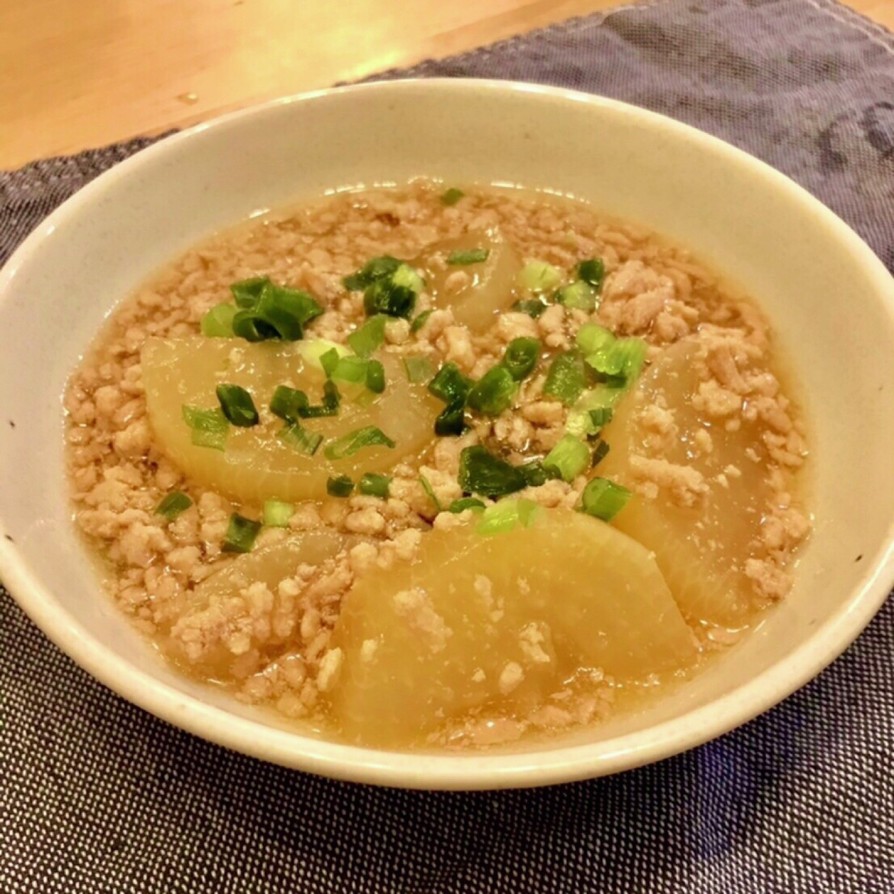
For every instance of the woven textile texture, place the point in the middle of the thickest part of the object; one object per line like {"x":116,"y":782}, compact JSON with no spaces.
{"x":97,"y":796}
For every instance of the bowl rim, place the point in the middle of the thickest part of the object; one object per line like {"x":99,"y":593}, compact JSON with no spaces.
{"x":546,"y":765}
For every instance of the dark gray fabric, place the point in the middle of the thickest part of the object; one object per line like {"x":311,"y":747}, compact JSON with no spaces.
{"x":97,"y":796}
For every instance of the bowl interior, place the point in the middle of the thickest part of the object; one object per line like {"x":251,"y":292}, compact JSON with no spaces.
{"x":829,"y":298}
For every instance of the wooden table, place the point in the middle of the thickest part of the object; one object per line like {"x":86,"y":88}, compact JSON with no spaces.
{"x":83,"y":73}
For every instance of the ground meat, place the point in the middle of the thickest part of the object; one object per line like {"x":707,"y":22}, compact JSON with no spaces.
{"x":271,"y":640}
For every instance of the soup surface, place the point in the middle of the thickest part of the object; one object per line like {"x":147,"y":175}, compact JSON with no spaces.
{"x":427,"y":468}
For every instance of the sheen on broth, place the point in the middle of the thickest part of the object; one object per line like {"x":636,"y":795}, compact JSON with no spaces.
{"x":425,"y":468}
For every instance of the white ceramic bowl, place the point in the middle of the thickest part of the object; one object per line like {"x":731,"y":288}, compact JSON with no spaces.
{"x":831,"y":301}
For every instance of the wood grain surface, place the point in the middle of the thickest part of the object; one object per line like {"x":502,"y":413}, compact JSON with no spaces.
{"x":82,"y":73}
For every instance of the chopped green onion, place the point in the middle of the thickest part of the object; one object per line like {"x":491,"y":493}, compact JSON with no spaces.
{"x":241,"y":534}
{"x":601,"y":416}
{"x":272,"y":311}
{"x":369,"y":336}
{"x":624,"y":359}
{"x":578,"y":296}
{"x":350,"y":369}
{"x":592,"y":271}
{"x":538,"y":276}
{"x":377,"y":268}
{"x":418,"y":368}
{"x":533,"y":307}
{"x":450,"y":385}
{"x":430,"y":491}
{"x":451,"y":196}
{"x":521,"y":357}
{"x":237,"y":405}
{"x":419,"y":320}
{"x":247,"y":292}
{"x":451,"y":421}
{"x":566,"y":378}
{"x":276,"y":514}
{"x":385,"y":297}
{"x":600,"y":397}
{"x":288,"y":403}
{"x":568,"y":458}
{"x":173,"y":504}
{"x":406,"y":277}
{"x":483,"y":473}
{"x":493,"y":392}
{"x":329,"y":361}
{"x":471,"y":256}
{"x":329,"y":407}
{"x":375,"y":376}
{"x":536,"y":473}
{"x":507,"y":514}
{"x":599,"y":453}
{"x":374,"y":485}
{"x":592,"y":337}
{"x":340,"y":486}
{"x":465,"y":503}
{"x":218,"y":322}
{"x":603,"y":498}
{"x":349,"y":444}
{"x":300,"y":439}
{"x":209,"y":427}
{"x":313,"y":349}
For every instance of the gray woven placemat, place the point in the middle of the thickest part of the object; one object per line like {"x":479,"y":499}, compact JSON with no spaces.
{"x":97,"y":796}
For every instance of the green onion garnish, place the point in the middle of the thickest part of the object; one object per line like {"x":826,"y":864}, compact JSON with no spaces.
{"x":591,"y":337}
{"x":369,"y":336}
{"x":451,"y":196}
{"x":272,"y":311}
{"x":452,"y":387}
{"x":300,"y":439}
{"x":340,"y":486}
{"x":173,"y":504}
{"x":419,"y":320}
{"x":568,"y":458}
{"x":375,"y":376}
{"x":276,"y":514}
{"x":237,"y":405}
{"x":349,"y":444}
{"x":533,"y":307}
{"x":521,"y":357}
{"x":451,"y":421}
{"x":374,"y":485}
{"x":600,"y":399}
{"x":624,"y":359}
{"x":493,"y":392}
{"x":566,"y":378}
{"x":241,"y":534}
{"x":247,"y":292}
{"x":209,"y":427}
{"x":536,"y":474}
{"x":592,"y":271}
{"x":506,"y":515}
{"x":406,"y":277}
{"x":218,"y":322}
{"x":483,"y":473}
{"x":465,"y":503}
{"x":538,"y":276}
{"x":600,"y":451}
{"x":578,"y":296}
{"x":601,"y":416}
{"x":430,"y":492}
{"x":288,"y":403}
{"x":377,"y":268}
{"x":350,"y":369}
{"x":603,"y":498}
{"x":418,"y":368}
{"x":329,"y":361}
{"x":471,"y":256}
{"x":384,"y":297}
{"x":329,"y":407}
